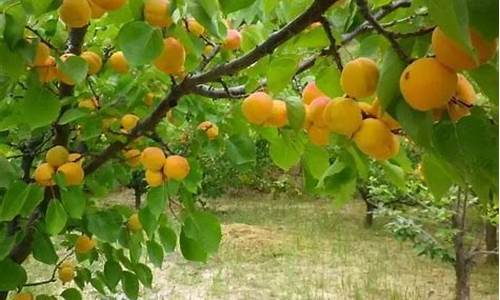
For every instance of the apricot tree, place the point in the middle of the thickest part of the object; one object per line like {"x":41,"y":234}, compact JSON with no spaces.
{"x":91,"y":88}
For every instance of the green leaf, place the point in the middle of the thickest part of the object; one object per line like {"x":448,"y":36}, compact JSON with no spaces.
{"x":314,"y":38}
{"x":9,"y":64}
{"x":35,"y":196}
{"x":74,"y":201}
{"x":148,"y":220}
{"x":167,"y":238}
{"x":8,"y":242}
{"x":135,"y":247}
{"x":56,"y":217}
{"x":155,"y":253}
{"x":75,"y":68}
{"x":210,"y":21}
{"x":240,"y":149}
{"x":280,"y":71}
{"x":130,"y":285}
{"x":296,"y":112}
{"x":388,"y":84}
{"x":105,"y":225}
{"x":204,"y":228}
{"x":71,"y":294}
{"x":7,"y":172}
{"x":191,"y":249}
{"x":418,"y":125}
{"x":486,"y":77}
{"x":317,"y":160}
{"x":193,"y":181}
{"x":39,"y":107}
{"x":286,"y":151}
{"x":140,"y":43}
{"x":229,"y":6}
{"x":483,"y":16}
{"x":436,"y":176}
{"x":144,"y":274}
{"x":156,"y":200}
{"x":112,"y":273}
{"x":72,"y":115}
{"x":394,"y":174}
{"x":328,"y":80}
{"x":43,"y":249}
{"x":13,"y":31}
{"x":12,"y":275}
{"x":13,"y":200}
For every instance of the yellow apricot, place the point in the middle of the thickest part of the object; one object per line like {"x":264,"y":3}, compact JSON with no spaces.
{"x":232,"y":40}
{"x":153,"y":158}
{"x":43,"y":175}
{"x":279,"y":116}
{"x":110,"y":4}
{"x":84,"y":244}
{"x":76,"y":158}
{"x":48,"y":70}
{"x":367,"y":109}
{"x":359,"y":77}
{"x":195,"y":27}
{"x":257,"y":107}
{"x":343,"y":116}
{"x":454,"y":56}
{"x":384,"y":116}
{"x":41,"y":55}
{"x":87,"y":104}
{"x":156,"y":13}
{"x":457,"y":111}
{"x":93,"y":60}
{"x":118,"y":62}
{"x":210,"y":129}
{"x":307,"y":118}
{"x":316,"y":109}
{"x":75,"y":13}
{"x":134,"y":224}
{"x":23,"y":296}
{"x":208,"y":50}
{"x":149,"y":99}
{"x":319,"y":136}
{"x":427,"y":84}
{"x":176,"y":167}
{"x":106,"y":123}
{"x":154,"y":178}
{"x":66,"y":274}
{"x":133,"y":157}
{"x":465,"y":91}
{"x":57,"y":156}
{"x":376,"y":140}
{"x":129,"y":121}
{"x":73,"y":173}
{"x":311,"y":92}
{"x":171,"y":60}
{"x":95,"y":10}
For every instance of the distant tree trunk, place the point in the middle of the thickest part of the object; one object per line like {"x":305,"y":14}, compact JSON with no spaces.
{"x":370,"y":207}
{"x":137,"y":195}
{"x":462,"y":261}
{"x":491,"y":240}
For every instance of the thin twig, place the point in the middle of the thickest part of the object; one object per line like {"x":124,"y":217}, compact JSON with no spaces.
{"x":44,"y":40}
{"x":333,"y":49}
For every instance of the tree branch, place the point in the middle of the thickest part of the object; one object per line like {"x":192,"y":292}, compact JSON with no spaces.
{"x":333,"y":49}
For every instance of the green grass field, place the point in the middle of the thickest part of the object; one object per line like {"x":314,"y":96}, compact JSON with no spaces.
{"x":305,"y":249}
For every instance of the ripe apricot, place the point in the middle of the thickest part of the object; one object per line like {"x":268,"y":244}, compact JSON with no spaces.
{"x":343,"y":116}
{"x":73,"y":173}
{"x":118,"y":62}
{"x":454,"y":56}
{"x":384,"y":116}
{"x":156,"y":13}
{"x":95,"y":10}
{"x":23,"y":296}
{"x":76,"y":158}
{"x":171,"y":60}
{"x":149,"y":99}
{"x":129,"y":121}
{"x":195,"y":27}
{"x":176,"y":167}
{"x":232,"y":40}
{"x":154,"y":178}
{"x":211,"y":130}
{"x":110,"y":4}
{"x":308,"y":122}
{"x":66,"y":273}
{"x":43,"y":175}
{"x":465,"y":91}
{"x":153,"y":158}
{"x":279,"y":116}
{"x":311,"y":92}
{"x":42,"y":53}
{"x":84,"y":244}
{"x":133,"y":157}
{"x":319,"y":136}
{"x":48,"y":70}
{"x":93,"y":60}
{"x":60,"y":74}
{"x":316,"y":109}
{"x":359,"y":77}
{"x":376,"y":140}
{"x":57,"y":156}
{"x":87,"y":104}
{"x":367,"y":109}
{"x":75,"y":13}
{"x":427,"y":84}
{"x":257,"y":107}
{"x":133,"y":223}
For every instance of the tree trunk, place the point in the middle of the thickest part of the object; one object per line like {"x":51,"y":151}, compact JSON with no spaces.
{"x":462,"y":261}
{"x":370,"y":207}
{"x":137,"y":194}
{"x":491,"y":240}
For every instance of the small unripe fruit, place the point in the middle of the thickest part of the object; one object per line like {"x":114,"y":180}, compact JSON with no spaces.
{"x":153,"y":158}
{"x":66,"y":273}
{"x":154,"y":178}
{"x":279,"y":116}
{"x":93,"y":60}
{"x":110,"y":4}
{"x":84,"y":244}
{"x":176,"y":167}
{"x":149,"y":99}
{"x":43,"y":175}
{"x":343,"y":116}
{"x":133,"y":157}
{"x":87,"y":104}
{"x":376,"y":140}
{"x":359,"y":78}
{"x":156,"y":13}
{"x":118,"y":62}
{"x":73,"y":173}
{"x":319,"y":136}
{"x":208,"y":50}
{"x":427,"y":84}
{"x":316,"y":109}
{"x":48,"y":70}
{"x":129,"y":121}
{"x":257,"y":108}
{"x":75,"y":13}
{"x":134,"y":224}
{"x":210,"y":129}
{"x":171,"y":60}
{"x":195,"y":27}
{"x":57,"y":156}
{"x":233,"y":40}
{"x":311,"y":92}
{"x":41,"y":55}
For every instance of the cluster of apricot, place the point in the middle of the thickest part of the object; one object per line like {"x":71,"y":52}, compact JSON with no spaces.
{"x":259,"y":108}
{"x":58,"y":159}
{"x":434,"y":84}
{"x":210,"y":129}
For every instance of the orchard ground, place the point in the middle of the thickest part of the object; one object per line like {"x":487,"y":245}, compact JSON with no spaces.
{"x":299,"y":248}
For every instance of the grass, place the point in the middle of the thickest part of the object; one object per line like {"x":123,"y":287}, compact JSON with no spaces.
{"x":306,"y":249}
